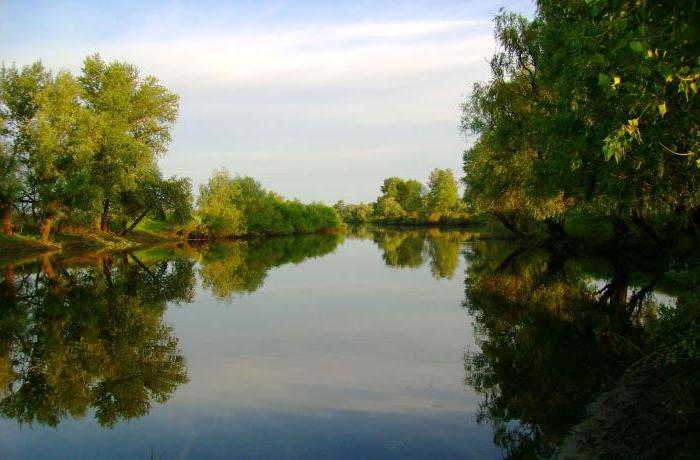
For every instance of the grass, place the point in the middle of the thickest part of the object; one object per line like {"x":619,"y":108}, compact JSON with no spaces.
{"x":24,"y":243}
{"x":77,"y":239}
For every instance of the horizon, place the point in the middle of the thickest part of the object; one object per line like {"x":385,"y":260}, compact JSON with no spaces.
{"x":315,"y":102}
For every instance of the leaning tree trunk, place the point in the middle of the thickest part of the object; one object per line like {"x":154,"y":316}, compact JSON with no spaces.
{"x":133,"y":225}
{"x":7,"y":221}
{"x":510,"y":224}
{"x":45,"y":229}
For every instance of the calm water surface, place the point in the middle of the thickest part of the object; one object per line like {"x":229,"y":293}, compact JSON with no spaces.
{"x":374,"y":344}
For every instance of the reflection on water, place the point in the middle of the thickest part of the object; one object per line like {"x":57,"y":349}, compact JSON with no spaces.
{"x":554,"y":333}
{"x":88,"y":334}
{"x":230,"y":268}
{"x":330,"y":350}
{"x":412,"y":248}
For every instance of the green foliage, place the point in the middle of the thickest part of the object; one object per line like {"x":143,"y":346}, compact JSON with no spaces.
{"x":77,"y":148}
{"x":233,"y":206}
{"x":354,"y":213}
{"x":581,"y":84}
{"x":410,"y":202}
{"x":442,"y":198}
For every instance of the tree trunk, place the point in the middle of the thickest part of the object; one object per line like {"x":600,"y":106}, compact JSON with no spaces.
{"x":133,"y":225}
{"x":45,"y":229}
{"x":7,"y":221}
{"x":104,"y":221}
{"x":508,"y":223}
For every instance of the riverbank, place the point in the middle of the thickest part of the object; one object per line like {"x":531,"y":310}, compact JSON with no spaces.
{"x":78,"y":241}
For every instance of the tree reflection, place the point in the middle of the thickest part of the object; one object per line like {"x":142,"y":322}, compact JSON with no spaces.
{"x":551,"y":340}
{"x":88,"y":334}
{"x":412,"y":248}
{"x":239,"y":267}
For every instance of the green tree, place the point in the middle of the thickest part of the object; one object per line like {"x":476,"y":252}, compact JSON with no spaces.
{"x":443,"y":197}
{"x":18,"y":105}
{"x":61,"y":151}
{"x":407,"y":193}
{"x":164,"y":199}
{"x":135,"y":116}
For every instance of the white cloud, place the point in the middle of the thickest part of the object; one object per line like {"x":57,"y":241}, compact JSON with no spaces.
{"x":303,"y":99}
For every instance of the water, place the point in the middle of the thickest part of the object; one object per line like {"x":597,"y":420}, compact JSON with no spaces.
{"x":374,"y":344}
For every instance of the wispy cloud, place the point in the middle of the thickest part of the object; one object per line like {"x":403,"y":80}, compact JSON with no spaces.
{"x":345,"y":102}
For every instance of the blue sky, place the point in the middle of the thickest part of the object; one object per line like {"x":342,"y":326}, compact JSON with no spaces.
{"x":318,"y":100}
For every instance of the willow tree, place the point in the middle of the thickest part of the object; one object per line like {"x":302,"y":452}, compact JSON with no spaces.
{"x":506,"y":114}
{"x":134,"y":116}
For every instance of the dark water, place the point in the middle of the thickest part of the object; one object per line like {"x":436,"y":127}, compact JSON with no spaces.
{"x":374,"y":344}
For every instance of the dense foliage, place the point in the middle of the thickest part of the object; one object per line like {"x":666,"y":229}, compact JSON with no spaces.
{"x":591,"y":110}
{"x":85,"y":149}
{"x":234,"y":206}
{"x":408,"y":201}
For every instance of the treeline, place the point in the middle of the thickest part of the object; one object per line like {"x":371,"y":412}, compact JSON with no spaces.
{"x":591,"y":113}
{"x":408,"y":201}
{"x":83,"y":151}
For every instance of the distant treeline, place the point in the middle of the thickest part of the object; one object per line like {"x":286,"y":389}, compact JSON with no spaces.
{"x":591,"y":112}
{"x":83,"y":151}
{"x":408,"y":201}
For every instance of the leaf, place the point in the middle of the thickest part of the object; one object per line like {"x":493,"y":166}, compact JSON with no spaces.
{"x":616,"y":81}
{"x":603,"y":80}
{"x":662,"y":109}
{"x":637,"y":46}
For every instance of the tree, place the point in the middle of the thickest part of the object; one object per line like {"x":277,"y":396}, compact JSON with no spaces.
{"x":18,"y":91}
{"x":62,"y":147}
{"x":407,"y":193}
{"x":581,"y":85}
{"x":443,"y":197}
{"x":165,"y":199}
{"x":387,"y":208}
{"x":135,"y":116}
{"x":216,"y":208}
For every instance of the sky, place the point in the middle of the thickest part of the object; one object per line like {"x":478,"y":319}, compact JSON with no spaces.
{"x":318,"y":100}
